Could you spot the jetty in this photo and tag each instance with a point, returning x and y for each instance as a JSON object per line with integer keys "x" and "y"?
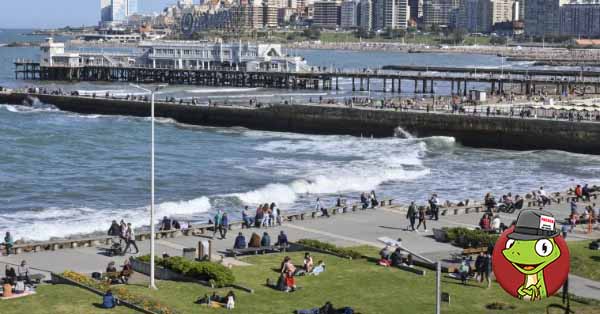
{"x": 493, "y": 131}
{"x": 267, "y": 66}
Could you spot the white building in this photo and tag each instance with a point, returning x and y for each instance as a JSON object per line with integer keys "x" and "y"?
{"x": 193, "y": 55}
{"x": 349, "y": 14}
{"x": 396, "y": 14}
{"x": 366, "y": 15}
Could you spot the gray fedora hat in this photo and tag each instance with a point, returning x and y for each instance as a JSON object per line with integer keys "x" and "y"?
{"x": 534, "y": 225}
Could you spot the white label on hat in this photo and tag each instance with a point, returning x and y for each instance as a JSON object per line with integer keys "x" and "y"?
{"x": 547, "y": 223}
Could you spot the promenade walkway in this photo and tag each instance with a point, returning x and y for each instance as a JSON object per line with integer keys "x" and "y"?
{"x": 359, "y": 228}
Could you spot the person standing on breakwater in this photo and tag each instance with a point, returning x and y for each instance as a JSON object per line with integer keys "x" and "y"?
{"x": 248, "y": 221}
{"x": 130, "y": 237}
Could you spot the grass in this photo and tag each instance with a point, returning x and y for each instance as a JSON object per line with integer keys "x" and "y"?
{"x": 584, "y": 262}
{"x": 366, "y": 287}
{"x": 59, "y": 299}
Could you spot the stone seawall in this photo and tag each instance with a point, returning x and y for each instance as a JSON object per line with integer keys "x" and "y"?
{"x": 474, "y": 131}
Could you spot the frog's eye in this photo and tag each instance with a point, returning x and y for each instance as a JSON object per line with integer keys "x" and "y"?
{"x": 510, "y": 243}
{"x": 543, "y": 247}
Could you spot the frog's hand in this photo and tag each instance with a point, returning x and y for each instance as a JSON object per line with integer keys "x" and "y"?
{"x": 541, "y": 288}
{"x": 524, "y": 292}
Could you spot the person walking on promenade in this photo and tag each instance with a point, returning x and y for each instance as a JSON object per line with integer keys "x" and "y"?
{"x": 131, "y": 239}
{"x": 422, "y": 219}
{"x": 224, "y": 226}
{"x": 411, "y": 215}
{"x": 123, "y": 232}
{"x": 8, "y": 243}
{"x": 217, "y": 222}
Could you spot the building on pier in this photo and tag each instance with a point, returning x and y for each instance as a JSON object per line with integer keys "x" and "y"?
{"x": 197, "y": 55}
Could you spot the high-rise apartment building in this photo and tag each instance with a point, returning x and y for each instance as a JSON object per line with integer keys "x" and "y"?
{"x": 437, "y": 12}
{"x": 366, "y": 15}
{"x": 475, "y": 16}
{"x": 105, "y": 11}
{"x": 395, "y": 14}
{"x": 542, "y": 17}
{"x": 502, "y": 11}
{"x": 327, "y": 14}
{"x": 349, "y": 14}
{"x": 580, "y": 20}
{"x": 416, "y": 9}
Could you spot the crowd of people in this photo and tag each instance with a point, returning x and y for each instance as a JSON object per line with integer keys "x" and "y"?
{"x": 257, "y": 241}
{"x": 126, "y": 234}
{"x": 266, "y": 215}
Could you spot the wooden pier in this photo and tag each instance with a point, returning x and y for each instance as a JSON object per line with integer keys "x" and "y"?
{"x": 419, "y": 80}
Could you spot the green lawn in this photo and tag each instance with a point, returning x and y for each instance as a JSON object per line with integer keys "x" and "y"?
{"x": 584, "y": 262}
{"x": 364, "y": 286}
{"x": 58, "y": 299}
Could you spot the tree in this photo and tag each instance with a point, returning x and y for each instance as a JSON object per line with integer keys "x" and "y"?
{"x": 458, "y": 35}
{"x": 313, "y": 33}
{"x": 498, "y": 40}
{"x": 363, "y": 33}
{"x": 391, "y": 33}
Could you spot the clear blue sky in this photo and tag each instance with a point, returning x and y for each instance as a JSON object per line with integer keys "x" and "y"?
{"x": 58, "y": 13}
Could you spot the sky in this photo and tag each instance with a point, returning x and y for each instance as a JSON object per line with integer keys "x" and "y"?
{"x": 59, "y": 13}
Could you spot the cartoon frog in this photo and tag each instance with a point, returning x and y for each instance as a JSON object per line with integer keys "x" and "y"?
{"x": 530, "y": 258}
{"x": 531, "y": 248}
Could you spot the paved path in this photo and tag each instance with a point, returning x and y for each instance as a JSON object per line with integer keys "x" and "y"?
{"x": 351, "y": 229}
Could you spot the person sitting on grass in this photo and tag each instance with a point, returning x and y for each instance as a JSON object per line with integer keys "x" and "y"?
{"x": 282, "y": 239}
{"x": 308, "y": 263}
{"x": 396, "y": 257}
{"x": 464, "y": 270}
{"x": 126, "y": 272}
{"x": 266, "y": 240}
{"x": 240, "y": 242}
{"x": 230, "y": 298}
{"x": 108, "y": 300}
{"x": 318, "y": 269}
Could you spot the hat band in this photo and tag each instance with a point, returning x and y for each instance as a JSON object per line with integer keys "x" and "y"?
{"x": 534, "y": 231}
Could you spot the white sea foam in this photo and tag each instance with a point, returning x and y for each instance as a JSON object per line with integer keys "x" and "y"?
{"x": 57, "y": 222}
{"x": 29, "y": 109}
{"x": 350, "y": 164}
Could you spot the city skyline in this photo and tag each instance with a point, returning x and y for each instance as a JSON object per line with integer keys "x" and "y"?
{"x": 60, "y": 13}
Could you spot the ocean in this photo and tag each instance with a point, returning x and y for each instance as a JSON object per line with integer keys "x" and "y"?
{"x": 65, "y": 174}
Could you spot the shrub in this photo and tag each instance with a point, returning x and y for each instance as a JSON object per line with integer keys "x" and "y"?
{"x": 120, "y": 293}
{"x": 215, "y": 273}
{"x": 467, "y": 238}
{"x": 330, "y": 248}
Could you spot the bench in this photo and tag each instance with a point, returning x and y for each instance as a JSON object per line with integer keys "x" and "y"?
{"x": 255, "y": 250}
{"x": 61, "y": 244}
{"x": 469, "y": 252}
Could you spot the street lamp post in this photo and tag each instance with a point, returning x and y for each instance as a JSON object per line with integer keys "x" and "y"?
{"x": 152, "y": 235}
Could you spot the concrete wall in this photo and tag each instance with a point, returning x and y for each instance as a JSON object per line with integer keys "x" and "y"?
{"x": 489, "y": 132}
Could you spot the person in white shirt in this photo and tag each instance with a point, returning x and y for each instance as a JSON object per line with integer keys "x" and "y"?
{"x": 496, "y": 223}
{"x": 130, "y": 236}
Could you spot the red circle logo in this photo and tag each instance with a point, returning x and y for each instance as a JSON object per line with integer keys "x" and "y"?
{"x": 530, "y": 269}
